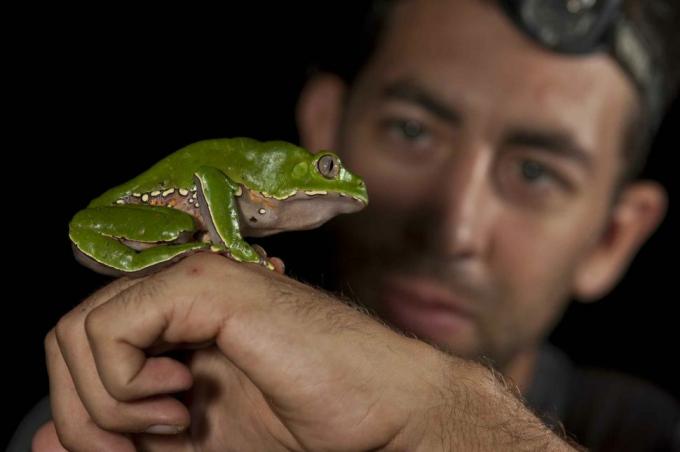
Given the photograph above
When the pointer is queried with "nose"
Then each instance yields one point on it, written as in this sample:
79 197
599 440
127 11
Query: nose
465 205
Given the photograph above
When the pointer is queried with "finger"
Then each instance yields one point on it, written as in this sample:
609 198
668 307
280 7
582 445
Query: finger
138 320
163 443
174 307
73 425
103 294
103 409
279 266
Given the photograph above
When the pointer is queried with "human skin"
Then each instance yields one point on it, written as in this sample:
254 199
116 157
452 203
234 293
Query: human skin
483 222
586 243
291 368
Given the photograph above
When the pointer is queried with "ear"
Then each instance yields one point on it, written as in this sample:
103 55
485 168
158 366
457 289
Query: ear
319 112
636 215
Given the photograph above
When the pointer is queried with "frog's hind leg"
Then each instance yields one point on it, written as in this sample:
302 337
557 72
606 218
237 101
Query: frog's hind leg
132 240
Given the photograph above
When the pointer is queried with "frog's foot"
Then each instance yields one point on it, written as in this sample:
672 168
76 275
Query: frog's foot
261 254
264 260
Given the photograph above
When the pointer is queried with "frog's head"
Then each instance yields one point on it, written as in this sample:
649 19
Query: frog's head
324 172
308 190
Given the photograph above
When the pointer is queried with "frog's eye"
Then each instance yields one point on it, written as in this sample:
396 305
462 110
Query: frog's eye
328 166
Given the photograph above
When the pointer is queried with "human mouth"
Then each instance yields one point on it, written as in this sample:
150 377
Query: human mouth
426 308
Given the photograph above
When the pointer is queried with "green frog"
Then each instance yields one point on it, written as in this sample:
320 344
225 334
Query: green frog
207 196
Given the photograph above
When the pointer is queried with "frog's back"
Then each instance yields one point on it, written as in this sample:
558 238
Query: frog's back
233 156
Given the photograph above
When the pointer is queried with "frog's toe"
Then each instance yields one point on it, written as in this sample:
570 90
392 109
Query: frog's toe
260 250
269 264
264 260
220 249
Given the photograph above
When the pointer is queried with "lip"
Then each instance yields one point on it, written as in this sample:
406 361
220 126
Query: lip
425 308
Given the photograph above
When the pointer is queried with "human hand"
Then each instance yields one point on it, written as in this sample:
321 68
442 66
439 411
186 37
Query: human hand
291 368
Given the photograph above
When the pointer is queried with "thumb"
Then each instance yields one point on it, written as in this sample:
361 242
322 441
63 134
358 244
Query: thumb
46 439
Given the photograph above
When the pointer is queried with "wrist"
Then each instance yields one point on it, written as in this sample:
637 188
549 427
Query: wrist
466 407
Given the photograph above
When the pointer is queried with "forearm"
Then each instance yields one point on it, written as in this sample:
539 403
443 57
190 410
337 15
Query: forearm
468 407
472 409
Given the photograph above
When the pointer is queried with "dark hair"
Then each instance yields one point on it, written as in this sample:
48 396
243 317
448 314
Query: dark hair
657 20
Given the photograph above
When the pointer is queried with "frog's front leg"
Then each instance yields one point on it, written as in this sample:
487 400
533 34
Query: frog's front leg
103 238
219 211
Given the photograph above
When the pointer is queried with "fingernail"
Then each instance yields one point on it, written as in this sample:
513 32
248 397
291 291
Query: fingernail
164 429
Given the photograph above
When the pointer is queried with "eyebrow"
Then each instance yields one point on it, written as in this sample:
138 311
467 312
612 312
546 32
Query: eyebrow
554 142
418 95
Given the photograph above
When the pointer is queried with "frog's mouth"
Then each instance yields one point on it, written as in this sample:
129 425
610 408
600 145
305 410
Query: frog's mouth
261 216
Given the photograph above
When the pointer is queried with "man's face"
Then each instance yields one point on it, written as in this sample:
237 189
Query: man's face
490 165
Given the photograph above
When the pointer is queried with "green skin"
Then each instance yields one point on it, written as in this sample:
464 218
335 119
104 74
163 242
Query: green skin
208 196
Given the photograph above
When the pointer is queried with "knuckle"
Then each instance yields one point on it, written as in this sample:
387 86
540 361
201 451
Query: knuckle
62 329
70 324
119 390
104 420
50 341
93 324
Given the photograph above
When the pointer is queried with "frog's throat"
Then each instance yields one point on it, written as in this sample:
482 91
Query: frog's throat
260 215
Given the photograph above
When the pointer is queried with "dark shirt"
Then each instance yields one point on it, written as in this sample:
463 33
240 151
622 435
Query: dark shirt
603 411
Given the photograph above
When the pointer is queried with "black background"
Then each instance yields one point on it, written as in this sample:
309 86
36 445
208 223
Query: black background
94 101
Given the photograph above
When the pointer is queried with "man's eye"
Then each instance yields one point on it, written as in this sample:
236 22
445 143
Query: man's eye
540 176
533 171
408 129
533 183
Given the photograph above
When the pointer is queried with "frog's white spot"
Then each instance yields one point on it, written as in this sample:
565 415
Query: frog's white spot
168 192
137 195
238 191
281 198
262 211
342 194
120 201
145 197
197 205
155 193
183 192
317 192
193 188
